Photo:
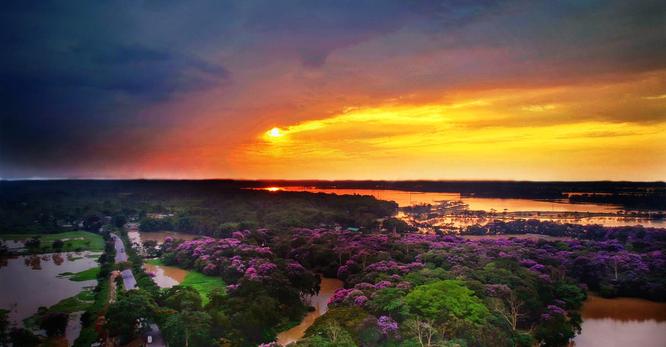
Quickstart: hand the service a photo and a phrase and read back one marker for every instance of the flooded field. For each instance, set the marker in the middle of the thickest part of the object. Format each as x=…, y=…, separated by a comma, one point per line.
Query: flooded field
x=517, y=236
x=320, y=303
x=138, y=237
x=29, y=282
x=457, y=221
x=403, y=198
x=622, y=322
x=73, y=329
x=409, y=198
x=166, y=276
x=506, y=209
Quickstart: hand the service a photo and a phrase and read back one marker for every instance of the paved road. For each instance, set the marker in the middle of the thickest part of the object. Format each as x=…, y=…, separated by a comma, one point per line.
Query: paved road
x=121, y=256
x=158, y=340
x=128, y=279
x=129, y=283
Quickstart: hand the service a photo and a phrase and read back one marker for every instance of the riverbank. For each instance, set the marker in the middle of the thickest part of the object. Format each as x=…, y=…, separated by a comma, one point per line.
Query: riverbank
x=72, y=241
x=319, y=302
x=167, y=276
x=22, y=275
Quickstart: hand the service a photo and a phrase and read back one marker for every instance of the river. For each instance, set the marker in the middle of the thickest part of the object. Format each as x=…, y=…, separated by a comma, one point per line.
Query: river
x=556, y=210
x=169, y=276
x=607, y=322
x=164, y=276
x=328, y=286
x=408, y=198
x=622, y=322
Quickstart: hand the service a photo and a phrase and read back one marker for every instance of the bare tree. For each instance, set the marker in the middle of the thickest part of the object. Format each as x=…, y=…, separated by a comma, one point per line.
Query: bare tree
x=333, y=330
x=423, y=330
x=509, y=308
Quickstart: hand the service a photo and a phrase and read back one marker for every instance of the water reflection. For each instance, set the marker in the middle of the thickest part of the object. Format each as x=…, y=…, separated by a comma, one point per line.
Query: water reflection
x=320, y=303
x=408, y=198
x=468, y=211
x=29, y=282
x=622, y=322
x=73, y=329
x=403, y=198
x=166, y=276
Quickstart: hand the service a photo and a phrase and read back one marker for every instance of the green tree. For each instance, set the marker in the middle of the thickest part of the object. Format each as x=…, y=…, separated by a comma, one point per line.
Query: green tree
x=33, y=243
x=130, y=314
x=151, y=248
x=23, y=337
x=118, y=220
x=92, y=223
x=397, y=225
x=332, y=335
x=58, y=245
x=442, y=300
x=54, y=323
x=182, y=298
x=389, y=301
x=188, y=328
x=557, y=331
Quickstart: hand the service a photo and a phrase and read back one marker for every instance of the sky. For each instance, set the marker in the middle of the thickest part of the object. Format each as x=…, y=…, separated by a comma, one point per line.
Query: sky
x=512, y=90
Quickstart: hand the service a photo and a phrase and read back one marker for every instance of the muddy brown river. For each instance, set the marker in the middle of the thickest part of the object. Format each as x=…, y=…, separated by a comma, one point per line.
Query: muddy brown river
x=320, y=303
x=622, y=322
x=166, y=276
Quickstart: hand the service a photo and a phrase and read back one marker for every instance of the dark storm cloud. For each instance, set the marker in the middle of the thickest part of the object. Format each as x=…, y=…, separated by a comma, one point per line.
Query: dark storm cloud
x=314, y=29
x=77, y=74
x=73, y=74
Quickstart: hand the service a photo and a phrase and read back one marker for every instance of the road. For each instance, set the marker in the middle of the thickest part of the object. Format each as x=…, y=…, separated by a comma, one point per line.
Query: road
x=129, y=282
x=121, y=256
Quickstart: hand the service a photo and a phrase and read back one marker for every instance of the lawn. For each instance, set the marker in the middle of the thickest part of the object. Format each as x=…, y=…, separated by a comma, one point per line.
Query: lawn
x=154, y=261
x=79, y=302
x=202, y=283
x=73, y=241
x=88, y=334
x=85, y=275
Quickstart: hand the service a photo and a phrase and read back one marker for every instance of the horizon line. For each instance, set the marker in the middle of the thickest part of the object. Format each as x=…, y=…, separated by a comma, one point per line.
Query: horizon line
x=25, y=179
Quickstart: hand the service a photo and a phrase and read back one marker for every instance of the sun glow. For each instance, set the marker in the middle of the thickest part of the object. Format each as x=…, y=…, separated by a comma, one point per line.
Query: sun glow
x=275, y=132
x=533, y=130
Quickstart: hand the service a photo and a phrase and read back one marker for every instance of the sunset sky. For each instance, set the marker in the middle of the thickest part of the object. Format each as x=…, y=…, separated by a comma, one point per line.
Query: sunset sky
x=552, y=90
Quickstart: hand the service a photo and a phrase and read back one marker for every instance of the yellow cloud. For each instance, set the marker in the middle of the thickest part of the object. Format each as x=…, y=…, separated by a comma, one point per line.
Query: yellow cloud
x=539, y=108
x=655, y=97
x=579, y=132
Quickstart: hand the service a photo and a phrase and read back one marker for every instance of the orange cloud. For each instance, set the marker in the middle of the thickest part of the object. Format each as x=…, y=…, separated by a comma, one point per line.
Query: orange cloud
x=574, y=132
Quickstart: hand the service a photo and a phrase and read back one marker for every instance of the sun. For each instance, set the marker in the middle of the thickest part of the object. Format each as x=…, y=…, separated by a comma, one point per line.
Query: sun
x=275, y=132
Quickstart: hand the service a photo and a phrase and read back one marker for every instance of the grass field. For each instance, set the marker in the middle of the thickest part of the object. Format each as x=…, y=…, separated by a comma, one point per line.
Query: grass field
x=73, y=241
x=88, y=334
x=155, y=261
x=85, y=275
x=79, y=302
x=202, y=283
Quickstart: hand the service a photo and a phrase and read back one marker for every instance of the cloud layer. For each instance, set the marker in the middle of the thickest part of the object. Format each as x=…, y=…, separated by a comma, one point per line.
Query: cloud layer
x=363, y=89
